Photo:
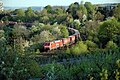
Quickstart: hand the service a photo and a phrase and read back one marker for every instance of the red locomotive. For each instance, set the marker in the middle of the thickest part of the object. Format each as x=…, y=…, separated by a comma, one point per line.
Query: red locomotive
x=64, y=41
x=53, y=44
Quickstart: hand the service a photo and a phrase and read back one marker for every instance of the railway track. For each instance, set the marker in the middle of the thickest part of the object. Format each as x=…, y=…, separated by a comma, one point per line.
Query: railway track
x=53, y=53
x=72, y=39
x=50, y=53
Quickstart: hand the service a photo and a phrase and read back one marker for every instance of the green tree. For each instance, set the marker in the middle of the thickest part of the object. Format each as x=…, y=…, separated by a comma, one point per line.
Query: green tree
x=79, y=48
x=45, y=19
x=90, y=10
x=12, y=66
x=91, y=45
x=64, y=31
x=73, y=10
x=42, y=37
x=2, y=33
x=20, y=14
x=48, y=8
x=59, y=11
x=30, y=15
x=81, y=12
x=116, y=12
x=99, y=16
x=56, y=32
x=20, y=35
x=60, y=19
x=34, y=69
x=69, y=20
x=76, y=24
x=109, y=30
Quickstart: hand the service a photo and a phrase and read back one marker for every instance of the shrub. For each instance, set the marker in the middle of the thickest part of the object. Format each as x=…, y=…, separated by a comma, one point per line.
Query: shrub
x=118, y=63
x=33, y=68
x=82, y=47
x=75, y=50
x=111, y=45
x=91, y=45
x=67, y=51
x=79, y=48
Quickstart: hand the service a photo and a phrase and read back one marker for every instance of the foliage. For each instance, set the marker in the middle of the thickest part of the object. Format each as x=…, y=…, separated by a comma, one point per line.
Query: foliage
x=90, y=10
x=79, y=48
x=33, y=68
x=12, y=65
x=76, y=24
x=75, y=50
x=96, y=65
x=118, y=63
x=99, y=16
x=104, y=74
x=20, y=31
x=90, y=31
x=109, y=30
x=20, y=15
x=91, y=45
x=64, y=32
x=81, y=12
x=1, y=33
x=73, y=10
x=111, y=45
x=48, y=8
x=82, y=61
x=30, y=16
x=116, y=12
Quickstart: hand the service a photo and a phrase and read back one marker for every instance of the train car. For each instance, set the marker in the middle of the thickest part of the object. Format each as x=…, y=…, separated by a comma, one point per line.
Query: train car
x=66, y=41
x=28, y=24
x=53, y=45
x=77, y=36
x=71, y=30
x=58, y=43
x=49, y=45
x=12, y=23
x=72, y=39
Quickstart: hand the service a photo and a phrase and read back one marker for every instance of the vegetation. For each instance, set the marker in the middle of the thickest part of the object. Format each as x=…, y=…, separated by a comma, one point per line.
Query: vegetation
x=102, y=65
x=95, y=56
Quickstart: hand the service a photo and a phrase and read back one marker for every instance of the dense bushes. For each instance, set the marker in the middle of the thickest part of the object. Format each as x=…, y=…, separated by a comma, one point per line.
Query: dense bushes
x=82, y=47
x=98, y=53
x=12, y=65
x=109, y=30
x=33, y=68
x=97, y=65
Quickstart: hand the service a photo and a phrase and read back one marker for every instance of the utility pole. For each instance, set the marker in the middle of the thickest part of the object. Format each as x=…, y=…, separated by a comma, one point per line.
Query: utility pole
x=1, y=5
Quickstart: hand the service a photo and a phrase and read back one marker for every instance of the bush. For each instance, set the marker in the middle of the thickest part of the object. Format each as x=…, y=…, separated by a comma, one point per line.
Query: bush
x=75, y=50
x=111, y=45
x=79, y=48
x=51, y=70
x=33, y=69
x=82, y=47
x=97, y=65
x=67, y=51
x=118, y=63
x=91, y=45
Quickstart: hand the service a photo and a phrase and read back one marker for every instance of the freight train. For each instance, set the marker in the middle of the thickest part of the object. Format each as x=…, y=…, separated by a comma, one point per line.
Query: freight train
x=13, y=23
x=64, y=41
x=49, y=45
